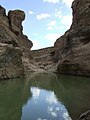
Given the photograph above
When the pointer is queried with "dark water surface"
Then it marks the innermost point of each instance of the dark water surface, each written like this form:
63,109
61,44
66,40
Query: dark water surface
44,97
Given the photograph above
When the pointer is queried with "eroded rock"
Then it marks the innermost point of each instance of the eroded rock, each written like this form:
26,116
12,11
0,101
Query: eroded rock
15,18
11,34
73,51
2,11
10,62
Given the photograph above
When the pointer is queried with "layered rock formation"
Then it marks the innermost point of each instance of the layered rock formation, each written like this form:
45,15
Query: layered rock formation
70,54
13,44
10,62
11,29
44,59
73,51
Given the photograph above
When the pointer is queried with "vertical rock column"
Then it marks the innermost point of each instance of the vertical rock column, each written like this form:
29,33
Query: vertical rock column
15,18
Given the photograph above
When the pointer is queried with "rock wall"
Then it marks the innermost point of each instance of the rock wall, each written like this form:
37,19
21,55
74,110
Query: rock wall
70,54
13,44
11,29
73,51
10,62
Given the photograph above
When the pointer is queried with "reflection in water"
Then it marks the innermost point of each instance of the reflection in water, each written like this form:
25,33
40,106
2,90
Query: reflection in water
35,92
13,94
44,97
44,106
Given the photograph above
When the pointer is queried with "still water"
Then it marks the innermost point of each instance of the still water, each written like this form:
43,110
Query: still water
44,97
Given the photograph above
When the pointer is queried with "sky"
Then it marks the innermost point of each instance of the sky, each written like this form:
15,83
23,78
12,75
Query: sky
46,20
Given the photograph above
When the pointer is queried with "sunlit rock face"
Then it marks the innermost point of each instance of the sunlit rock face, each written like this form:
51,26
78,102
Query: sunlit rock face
16,17
73,51
11,29
14,45
81,13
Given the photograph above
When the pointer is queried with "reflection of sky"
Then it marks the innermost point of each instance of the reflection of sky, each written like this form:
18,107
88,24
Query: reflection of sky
50,98
35,92
44,106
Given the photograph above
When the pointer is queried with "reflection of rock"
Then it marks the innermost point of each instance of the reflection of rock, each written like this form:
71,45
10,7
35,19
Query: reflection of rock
85,116
73,92
13,95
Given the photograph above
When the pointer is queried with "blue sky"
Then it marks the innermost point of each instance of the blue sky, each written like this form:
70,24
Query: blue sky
46,20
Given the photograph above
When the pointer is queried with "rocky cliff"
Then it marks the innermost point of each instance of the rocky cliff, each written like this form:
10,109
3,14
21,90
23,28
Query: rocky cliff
11,29
73,48
44,59
13,44
69,55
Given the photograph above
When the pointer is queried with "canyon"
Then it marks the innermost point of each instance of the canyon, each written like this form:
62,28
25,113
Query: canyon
69,55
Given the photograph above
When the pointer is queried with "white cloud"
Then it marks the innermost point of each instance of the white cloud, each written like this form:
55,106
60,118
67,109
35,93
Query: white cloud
51,1
35,34
52,37
51,25
62,28
36,45
67,20
68,2
58,13
49,28
31,12
42,16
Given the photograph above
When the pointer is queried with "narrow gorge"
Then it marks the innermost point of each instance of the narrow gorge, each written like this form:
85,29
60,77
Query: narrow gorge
69,55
